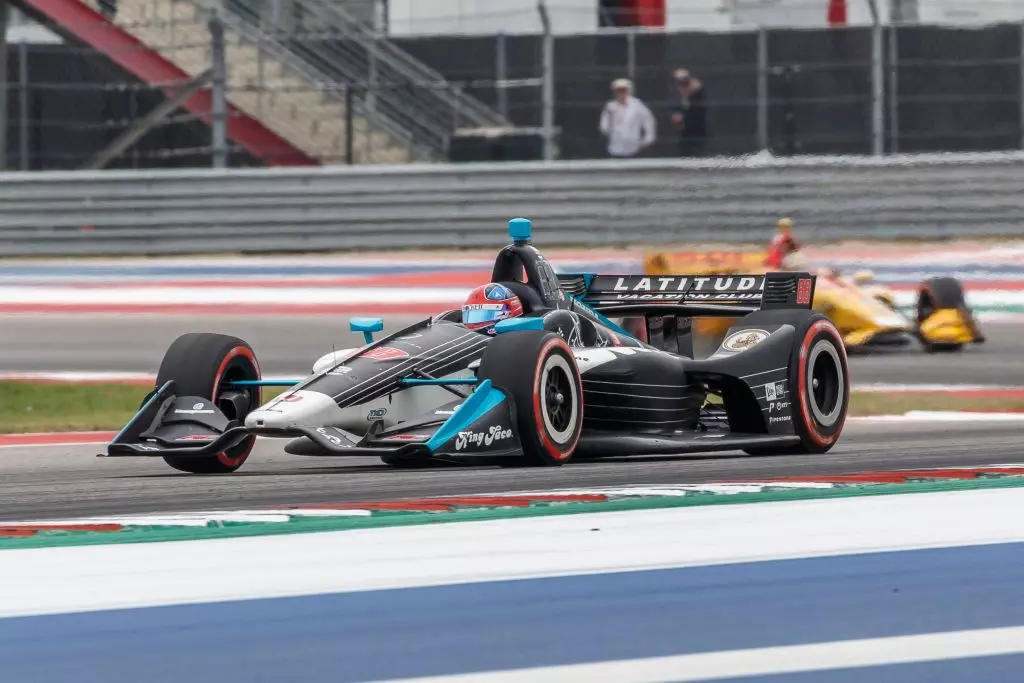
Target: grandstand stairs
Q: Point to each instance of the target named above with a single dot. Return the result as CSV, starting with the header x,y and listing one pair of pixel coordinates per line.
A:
x,y
81,22
275,114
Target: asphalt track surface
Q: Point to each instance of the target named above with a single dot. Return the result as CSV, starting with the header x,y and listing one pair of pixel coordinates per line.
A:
x,y
287,346
70,481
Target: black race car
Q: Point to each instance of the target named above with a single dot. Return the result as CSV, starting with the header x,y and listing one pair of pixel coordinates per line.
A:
x,y
563,380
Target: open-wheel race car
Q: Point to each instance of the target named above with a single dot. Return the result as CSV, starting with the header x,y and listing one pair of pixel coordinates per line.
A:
x,y
560,379
864,311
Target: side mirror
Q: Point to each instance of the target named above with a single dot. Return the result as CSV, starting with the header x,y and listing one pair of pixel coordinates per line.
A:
x,y
862,277
367,326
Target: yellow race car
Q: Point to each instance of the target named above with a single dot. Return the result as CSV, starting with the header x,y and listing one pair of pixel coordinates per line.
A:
x,y
865,313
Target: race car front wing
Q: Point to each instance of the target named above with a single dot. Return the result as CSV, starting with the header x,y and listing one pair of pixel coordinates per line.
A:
x,y
481,424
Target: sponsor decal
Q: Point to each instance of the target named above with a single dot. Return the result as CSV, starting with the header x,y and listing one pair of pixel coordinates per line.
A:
x,y
292,398
343,370
196,437
144,447
197,409
699,296
376,414
324,432
775,420
482,439
803,291
450,411
778,406
744,339
727,286
385,353
774,390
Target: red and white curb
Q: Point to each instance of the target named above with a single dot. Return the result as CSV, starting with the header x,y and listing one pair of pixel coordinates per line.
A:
x,y
451,504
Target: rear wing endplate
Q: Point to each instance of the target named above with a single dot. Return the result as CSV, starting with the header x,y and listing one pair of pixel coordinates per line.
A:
x,y
705,295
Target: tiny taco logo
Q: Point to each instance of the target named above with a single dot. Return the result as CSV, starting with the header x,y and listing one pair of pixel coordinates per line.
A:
x,y
744,339
385,353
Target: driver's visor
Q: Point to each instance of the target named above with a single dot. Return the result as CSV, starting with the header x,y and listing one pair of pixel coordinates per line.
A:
x,y
473,314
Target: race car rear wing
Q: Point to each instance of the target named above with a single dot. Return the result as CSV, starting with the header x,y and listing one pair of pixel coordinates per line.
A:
x,y
704,295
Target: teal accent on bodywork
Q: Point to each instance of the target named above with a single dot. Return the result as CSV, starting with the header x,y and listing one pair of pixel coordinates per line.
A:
x,y
414,381
519,325
367,326
485,398
145,404
520,229
604,319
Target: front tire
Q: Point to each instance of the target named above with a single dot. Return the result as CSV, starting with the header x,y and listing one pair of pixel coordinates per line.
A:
x,y
200,363
539,372
819,380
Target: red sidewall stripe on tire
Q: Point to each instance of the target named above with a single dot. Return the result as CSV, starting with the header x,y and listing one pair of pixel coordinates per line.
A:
x,y
246,353
549,445
805,408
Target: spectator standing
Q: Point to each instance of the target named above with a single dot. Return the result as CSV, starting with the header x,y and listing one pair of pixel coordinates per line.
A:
x,y
690,117
626,122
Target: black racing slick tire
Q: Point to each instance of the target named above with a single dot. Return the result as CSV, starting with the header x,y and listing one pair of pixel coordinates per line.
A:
x,y
819,380
938,293
538,371
200,363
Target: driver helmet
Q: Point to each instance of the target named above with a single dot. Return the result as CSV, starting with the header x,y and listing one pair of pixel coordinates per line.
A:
x,y
784,237
488,304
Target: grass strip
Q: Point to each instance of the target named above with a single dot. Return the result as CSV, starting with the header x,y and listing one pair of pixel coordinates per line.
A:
x,y
107,406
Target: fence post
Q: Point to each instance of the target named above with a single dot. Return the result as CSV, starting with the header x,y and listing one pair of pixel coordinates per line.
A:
x,y
762,89
548,87
877,91
220,103
4,12
24,124
631,55
349,127
894,100
501,73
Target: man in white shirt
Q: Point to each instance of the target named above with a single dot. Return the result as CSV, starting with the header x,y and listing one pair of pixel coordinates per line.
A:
x,y
626,122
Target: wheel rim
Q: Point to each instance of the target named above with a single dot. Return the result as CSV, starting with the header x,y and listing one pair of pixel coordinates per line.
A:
x,y
825,383
559,400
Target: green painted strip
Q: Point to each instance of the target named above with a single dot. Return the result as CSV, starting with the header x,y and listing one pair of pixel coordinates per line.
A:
x,y
401,519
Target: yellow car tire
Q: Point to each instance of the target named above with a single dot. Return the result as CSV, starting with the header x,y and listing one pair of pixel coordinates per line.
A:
x,y
938,293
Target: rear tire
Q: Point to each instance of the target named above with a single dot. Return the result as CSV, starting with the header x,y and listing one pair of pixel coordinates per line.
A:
x,y
539,372
938,293
199,363
819,377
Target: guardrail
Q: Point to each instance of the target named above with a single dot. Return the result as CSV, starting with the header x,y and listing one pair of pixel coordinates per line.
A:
x,y
600,203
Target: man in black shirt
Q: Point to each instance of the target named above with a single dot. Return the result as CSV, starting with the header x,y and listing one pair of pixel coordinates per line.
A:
x,y
690,117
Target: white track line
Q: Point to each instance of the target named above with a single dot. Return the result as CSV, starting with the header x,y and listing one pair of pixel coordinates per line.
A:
x,y
768,661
